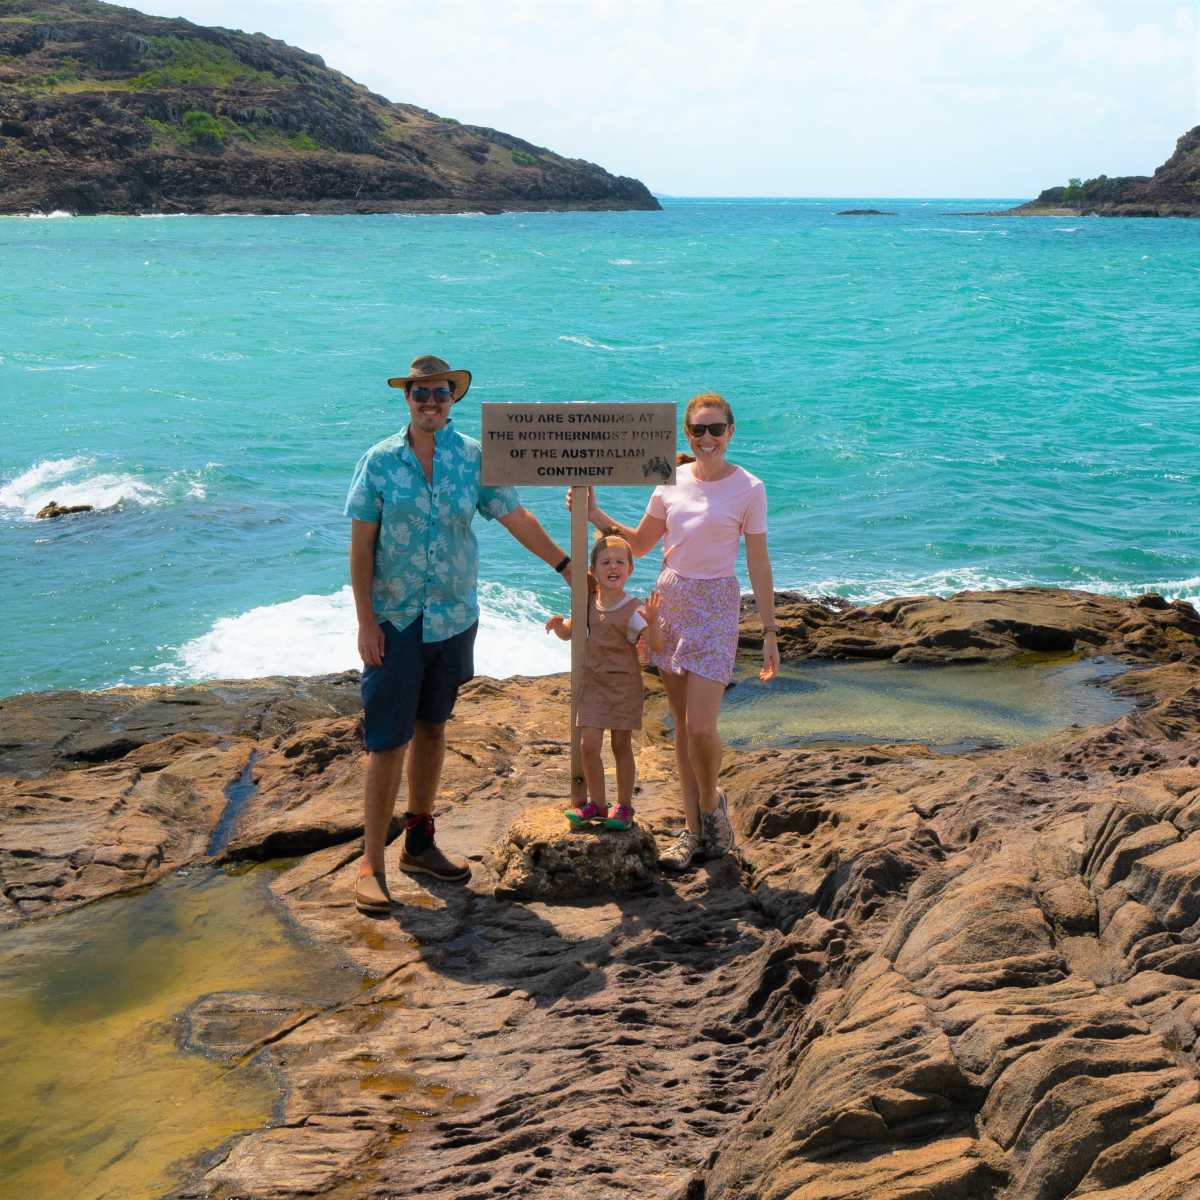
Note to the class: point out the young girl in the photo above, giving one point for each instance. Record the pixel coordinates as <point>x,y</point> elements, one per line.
<point>612,679</point>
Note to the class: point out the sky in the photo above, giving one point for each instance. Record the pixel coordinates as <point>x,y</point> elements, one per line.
<point>851,98</point>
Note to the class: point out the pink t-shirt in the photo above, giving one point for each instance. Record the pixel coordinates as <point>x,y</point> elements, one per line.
<point>705,521</point>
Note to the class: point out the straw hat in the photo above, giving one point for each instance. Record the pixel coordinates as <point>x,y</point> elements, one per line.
<point>428,366</point>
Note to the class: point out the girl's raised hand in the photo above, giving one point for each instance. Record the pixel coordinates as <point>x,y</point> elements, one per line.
<point>652,609</point>
<point>557,624</point>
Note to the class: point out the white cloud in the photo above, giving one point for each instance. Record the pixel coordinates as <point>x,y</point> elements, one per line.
<point>854,97</point>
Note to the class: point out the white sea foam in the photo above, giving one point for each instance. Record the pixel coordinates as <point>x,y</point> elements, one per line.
<point>75,481</point>
<point>72,367</point>
<point>973,579</point>
<point>315,634</point>
<point>589,344</point>
<point>57,214</point>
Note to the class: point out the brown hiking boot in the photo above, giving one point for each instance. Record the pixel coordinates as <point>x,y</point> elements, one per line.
<point>371,894</point>
<point>429,861</point>
<point>433,862</point>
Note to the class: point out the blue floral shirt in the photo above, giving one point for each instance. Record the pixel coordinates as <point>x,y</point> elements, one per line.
<point>426,556</point>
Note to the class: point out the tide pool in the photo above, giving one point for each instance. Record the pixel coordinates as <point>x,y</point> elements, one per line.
<point>934,401</point>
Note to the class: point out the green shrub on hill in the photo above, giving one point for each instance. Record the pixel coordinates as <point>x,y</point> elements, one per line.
<point>203,131</point>
<point>193,63</point>
<point>524,160</point>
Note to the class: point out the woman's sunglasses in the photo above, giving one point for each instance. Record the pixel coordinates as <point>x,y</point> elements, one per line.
<point>420,393</point>
<point>716,428</point>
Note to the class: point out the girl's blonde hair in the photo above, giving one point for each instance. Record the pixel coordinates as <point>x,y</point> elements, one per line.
<point>704,400</point>
<point>605,540</point>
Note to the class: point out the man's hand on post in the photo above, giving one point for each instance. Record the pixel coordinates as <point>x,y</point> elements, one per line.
<point>371,643</point>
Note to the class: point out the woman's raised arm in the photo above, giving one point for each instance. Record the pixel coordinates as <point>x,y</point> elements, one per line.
<point>643,539</point>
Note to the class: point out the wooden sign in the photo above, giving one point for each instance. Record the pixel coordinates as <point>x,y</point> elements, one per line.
<point>578,444</point>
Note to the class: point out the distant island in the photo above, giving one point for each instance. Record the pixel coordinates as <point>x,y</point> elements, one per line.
<point>864,212</point>
<point>107,110</point>
<point>1172,191</point>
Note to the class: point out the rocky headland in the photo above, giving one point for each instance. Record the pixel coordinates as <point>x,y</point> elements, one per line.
<point>1172,191</point>
<point>107,110</point>
<point>923,976</point>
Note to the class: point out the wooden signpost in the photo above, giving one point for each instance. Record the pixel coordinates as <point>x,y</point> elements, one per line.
<point>578,445</point>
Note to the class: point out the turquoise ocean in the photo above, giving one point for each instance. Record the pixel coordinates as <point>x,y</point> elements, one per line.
<point>935,402</point>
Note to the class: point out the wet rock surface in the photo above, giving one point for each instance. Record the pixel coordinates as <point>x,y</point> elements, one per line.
<point>954,977</point>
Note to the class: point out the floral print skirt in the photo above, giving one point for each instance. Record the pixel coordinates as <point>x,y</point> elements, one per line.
<point>700,618</point>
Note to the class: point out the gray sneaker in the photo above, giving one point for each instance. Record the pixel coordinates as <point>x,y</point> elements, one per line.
<point>685,847</point>
<point>717,831</point>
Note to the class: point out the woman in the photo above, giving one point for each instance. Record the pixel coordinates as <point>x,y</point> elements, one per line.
<point>704,515</point>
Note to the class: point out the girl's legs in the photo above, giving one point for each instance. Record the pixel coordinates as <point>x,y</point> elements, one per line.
<point>591,741</point>
<point>622,748</point>
<point>677,696</point>
<point>702,704</point>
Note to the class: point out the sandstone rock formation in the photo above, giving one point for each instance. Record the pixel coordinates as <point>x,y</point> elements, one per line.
<point>539,858</point>
<point>937,976</point>
<point>108,110</point>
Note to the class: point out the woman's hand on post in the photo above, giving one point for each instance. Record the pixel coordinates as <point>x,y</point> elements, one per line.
<point>592,508</point>
<point>371,644</point>
<point>770,667</point>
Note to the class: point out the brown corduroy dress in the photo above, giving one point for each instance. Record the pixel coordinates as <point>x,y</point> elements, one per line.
<point>612,675</point>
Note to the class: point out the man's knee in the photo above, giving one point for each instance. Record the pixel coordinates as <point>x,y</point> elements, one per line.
<point>622,740</point>
<point>430,732</point>
<point>591,740</point>
<point>389,755</point>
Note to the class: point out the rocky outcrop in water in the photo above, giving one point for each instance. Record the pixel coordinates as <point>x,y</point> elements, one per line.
<point>54,510</point>
<point>1172,191</point>
<point>946,976</point>
<point>108,110</point>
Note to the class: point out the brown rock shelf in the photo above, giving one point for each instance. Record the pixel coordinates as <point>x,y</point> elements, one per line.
<point>955,976</point>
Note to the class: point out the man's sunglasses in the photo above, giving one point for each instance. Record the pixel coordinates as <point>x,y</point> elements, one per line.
<point>716,428</point>
<point>420,393</point>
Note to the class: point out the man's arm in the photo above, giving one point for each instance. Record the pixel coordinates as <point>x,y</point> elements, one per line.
<point>527,529</point>
<point>363,535</point>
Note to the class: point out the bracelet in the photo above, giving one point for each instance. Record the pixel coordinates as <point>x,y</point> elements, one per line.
<point>562,566</point>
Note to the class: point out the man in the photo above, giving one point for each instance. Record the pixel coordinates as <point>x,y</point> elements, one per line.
<point>413,567</point>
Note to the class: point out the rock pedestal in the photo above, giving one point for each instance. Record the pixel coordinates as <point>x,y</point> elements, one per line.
<point>542,858</point>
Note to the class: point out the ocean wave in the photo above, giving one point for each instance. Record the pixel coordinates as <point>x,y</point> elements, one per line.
<point>317,634</point>
<point>75,481</point>
<point>72,367</point>
<point>56,215</point>
<point>589,344</point>
<point>974,579</point>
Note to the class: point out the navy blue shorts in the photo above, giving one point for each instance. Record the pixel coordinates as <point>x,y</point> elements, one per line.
<point>417,681</point>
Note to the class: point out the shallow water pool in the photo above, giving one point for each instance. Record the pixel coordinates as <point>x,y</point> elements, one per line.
<point>950,709</point>
<point>99,1099</point>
